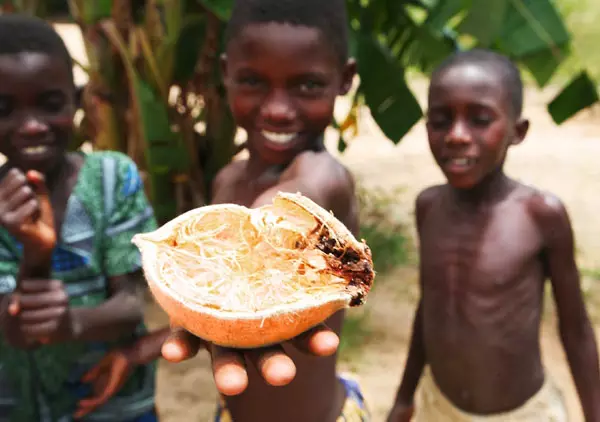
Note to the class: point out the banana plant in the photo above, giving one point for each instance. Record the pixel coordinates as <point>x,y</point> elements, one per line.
<point>393,37</point>
<point>152,82</point>
<point>154,90</point>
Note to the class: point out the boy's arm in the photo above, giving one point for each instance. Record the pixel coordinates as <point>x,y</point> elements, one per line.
<point>416,360</point>
<point>576,331</point>
<point>129,214</point>
<point>115,317</point>
<point>320,178</point>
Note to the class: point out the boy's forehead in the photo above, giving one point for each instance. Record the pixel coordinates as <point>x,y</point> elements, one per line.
<point>278,38</point>
<point>37,66</point>
<point>469,80</point>
<point>27,60</point>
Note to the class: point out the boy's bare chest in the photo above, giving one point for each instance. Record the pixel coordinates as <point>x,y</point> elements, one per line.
<point>480,252</point>
<point>242,191</point>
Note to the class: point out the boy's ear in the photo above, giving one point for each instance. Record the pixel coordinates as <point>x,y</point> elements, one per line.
<point>348,76</point>
<point>521,129</point>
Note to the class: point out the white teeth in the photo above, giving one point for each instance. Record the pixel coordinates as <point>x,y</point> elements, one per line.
<point>40,149</point>
<point>279,138</point>
<point>461,161</point>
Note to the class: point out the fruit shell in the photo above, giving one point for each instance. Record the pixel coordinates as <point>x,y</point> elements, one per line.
<point>243,330</point>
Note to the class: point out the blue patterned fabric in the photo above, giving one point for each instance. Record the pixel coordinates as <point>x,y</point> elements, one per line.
<point>106,208</point>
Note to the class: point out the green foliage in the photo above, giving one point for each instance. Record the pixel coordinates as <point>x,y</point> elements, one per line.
<point>144,51</point>
<point>392,36</point>
<point>582,18</point>
<point>354,333</point>
<point>384,234</point>
<point>581,92</point>
<point>388,241</point>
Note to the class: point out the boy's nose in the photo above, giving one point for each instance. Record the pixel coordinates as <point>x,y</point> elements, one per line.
<point>32,126</point>
<point>277,109</point>
<point>458,134</point>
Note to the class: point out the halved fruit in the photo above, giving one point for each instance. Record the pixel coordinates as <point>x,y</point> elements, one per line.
<point>248,278</point>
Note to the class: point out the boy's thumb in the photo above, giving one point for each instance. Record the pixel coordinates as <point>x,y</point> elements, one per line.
<point>38,181</point>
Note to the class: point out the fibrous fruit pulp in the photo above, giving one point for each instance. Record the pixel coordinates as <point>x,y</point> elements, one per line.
<point>247,278</point>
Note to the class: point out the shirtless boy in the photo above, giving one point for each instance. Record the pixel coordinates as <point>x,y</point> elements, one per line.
<point>68,270</point>
<point>487,245</point>
<point>286,62</point>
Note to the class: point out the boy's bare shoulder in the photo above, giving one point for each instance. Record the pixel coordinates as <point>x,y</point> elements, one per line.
<point>425,199</point>
<point>429,195</point>
<point>228,175</point>
<point>320,168</point>
<point>547,210</point>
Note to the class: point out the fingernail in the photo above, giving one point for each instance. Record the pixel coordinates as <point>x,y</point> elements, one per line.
<point>172,352</point>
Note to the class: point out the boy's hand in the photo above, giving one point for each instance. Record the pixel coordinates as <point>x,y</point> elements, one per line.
<point>26,211</point>
<point>107,378</point>
<point>9,324</point>
<point>229,369</point>
<point>401,413</point>
<point>41,309</point>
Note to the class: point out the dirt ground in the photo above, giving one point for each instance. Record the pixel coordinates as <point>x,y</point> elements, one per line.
<point>560,159</point>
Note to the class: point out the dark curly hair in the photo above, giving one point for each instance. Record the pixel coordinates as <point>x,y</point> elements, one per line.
<point>501,65</point>
<point>23,33</point>
<point>328,16</point>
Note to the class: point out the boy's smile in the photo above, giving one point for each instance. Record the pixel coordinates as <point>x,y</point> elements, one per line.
<point>36,110</point>
<point>282,82</point>
<point>470,124</point>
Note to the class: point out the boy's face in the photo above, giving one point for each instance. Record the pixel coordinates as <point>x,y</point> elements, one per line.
<point>36,110</point>
<point>470,123</point>
<point>282,82</point>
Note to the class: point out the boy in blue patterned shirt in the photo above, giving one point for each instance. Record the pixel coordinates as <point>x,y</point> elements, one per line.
<point>68,270</point>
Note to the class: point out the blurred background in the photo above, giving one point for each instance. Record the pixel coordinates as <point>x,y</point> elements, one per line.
<point>150,87</point>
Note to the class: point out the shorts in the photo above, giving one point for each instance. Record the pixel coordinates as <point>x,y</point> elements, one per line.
<point>547,405</point>
<point>354,410</point>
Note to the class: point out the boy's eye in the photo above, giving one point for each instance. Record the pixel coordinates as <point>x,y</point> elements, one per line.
<point>311,87</point>
<point>248,81</point>
<point>439,120</point>
<point>53,102</point>
<point>482,119</point>
<point>6,106</point>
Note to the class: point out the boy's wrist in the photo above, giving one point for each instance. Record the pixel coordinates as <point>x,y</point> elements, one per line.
<point>132,354</point>
<point>36,257</point>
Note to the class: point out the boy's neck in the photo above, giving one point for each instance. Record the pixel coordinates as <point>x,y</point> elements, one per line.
<point>257,167</point>
<point>492,189</point>
<point>61,171</point>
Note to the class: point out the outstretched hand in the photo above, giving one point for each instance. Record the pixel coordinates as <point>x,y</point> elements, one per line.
<point>229,365</point>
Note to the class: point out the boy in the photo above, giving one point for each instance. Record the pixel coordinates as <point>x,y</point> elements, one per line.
<point>68,271</point>
<point>487,245</point>
<point>286,62</point>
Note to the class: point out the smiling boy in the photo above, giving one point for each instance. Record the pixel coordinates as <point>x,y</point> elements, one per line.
<point>487,245</point>
<point>286,63</point>
<point>68,270</point>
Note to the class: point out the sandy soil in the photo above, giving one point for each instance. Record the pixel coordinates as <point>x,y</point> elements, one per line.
<point>560,159</point>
